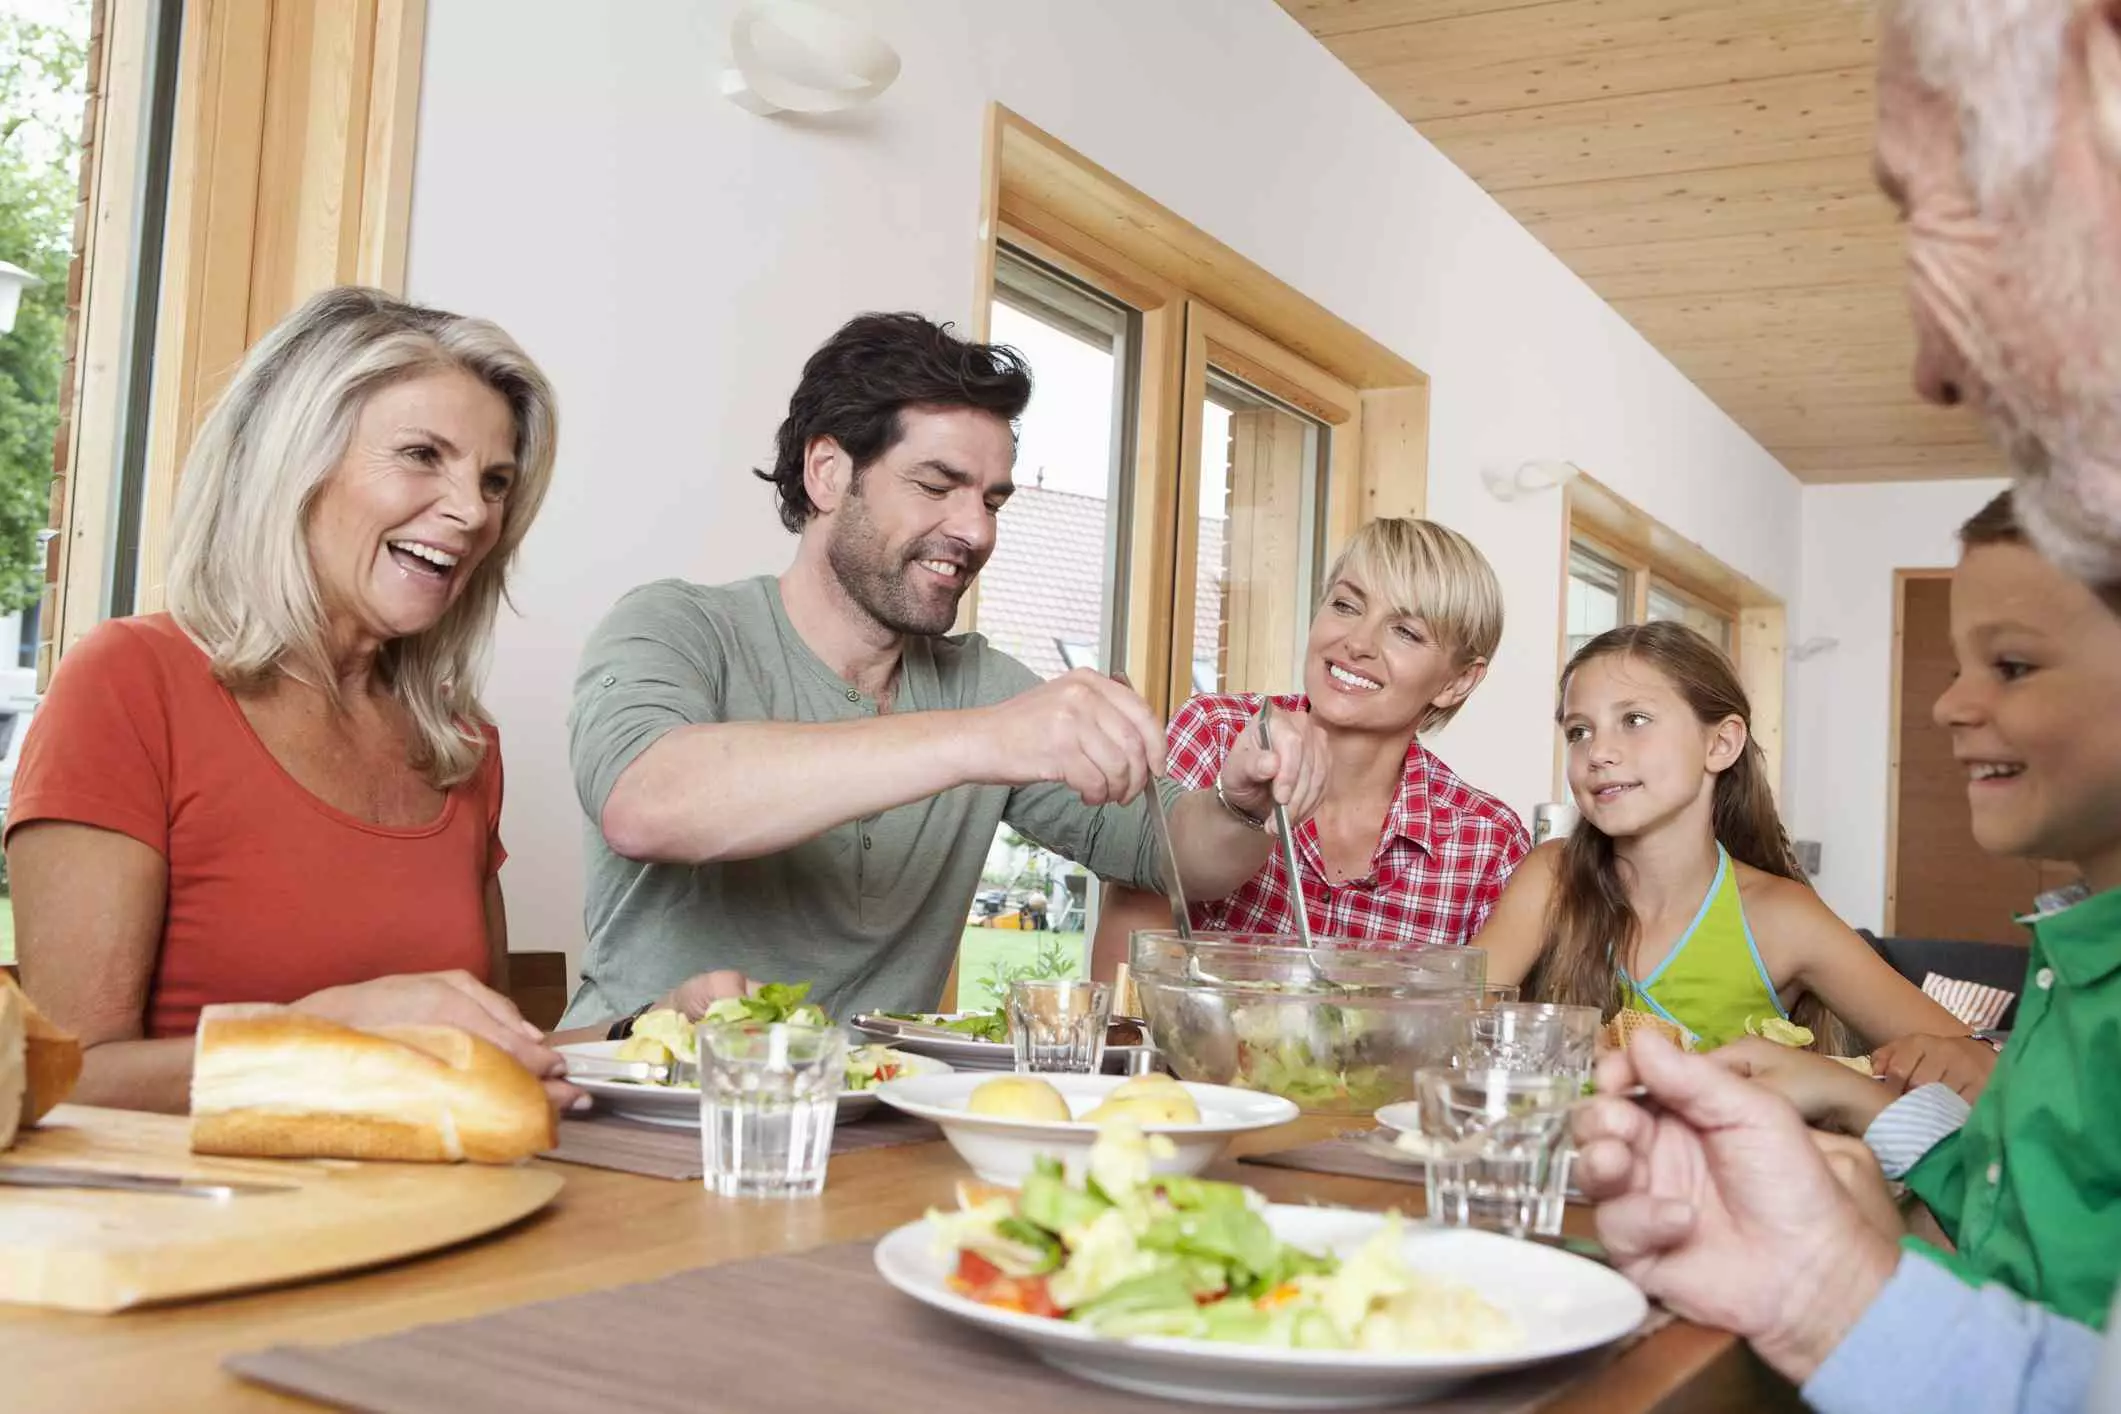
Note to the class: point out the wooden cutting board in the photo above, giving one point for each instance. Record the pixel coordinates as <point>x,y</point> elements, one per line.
<point>94,1250</point>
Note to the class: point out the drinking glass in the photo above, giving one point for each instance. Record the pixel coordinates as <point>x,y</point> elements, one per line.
<point>768,1096</point>
<point>1059,1025</point>
<point>1534,1036</point>
<point>1495,1140</point>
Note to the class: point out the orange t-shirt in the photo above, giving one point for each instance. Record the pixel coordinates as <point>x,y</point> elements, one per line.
<point>273,894</point>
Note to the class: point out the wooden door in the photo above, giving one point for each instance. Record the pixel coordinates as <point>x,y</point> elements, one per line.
<point>1942,884</point>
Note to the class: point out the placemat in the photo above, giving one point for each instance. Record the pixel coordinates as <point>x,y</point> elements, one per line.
<point>817,1330</point>
<point>664,1151</point>
<point>1349,1157</point>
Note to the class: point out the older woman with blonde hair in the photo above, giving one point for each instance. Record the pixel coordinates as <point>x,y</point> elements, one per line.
<point>284,789</point>
<point>1401,851</point>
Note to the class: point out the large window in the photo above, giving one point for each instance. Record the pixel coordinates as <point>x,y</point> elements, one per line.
<point>1608,587</point>
<point>1264,468</point>
<point>48,54</point>
<point>1051,596</point>
<point>1598,596</point>
<point>1201,438</point>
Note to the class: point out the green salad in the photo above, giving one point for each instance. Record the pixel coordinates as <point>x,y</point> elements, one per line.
<point>974,1026</point>
<point>1130,1253</point>
<point>1313,1055</point>
<point>663,1034</point>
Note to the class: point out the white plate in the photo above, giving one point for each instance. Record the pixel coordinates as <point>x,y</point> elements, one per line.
<point>1562,1303</point>
<point>1002,1150</point>
<point>678,1106</point>
<point>1405,1118</point>
<point>965,1053</point>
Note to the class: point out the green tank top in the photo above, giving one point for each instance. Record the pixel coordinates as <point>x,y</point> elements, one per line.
<point>1712,982</point>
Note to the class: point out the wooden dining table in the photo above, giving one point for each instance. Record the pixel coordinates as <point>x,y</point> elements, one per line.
<point>608,1229</point>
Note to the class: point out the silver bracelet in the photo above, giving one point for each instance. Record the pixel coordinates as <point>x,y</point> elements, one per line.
<point>1244,817</point>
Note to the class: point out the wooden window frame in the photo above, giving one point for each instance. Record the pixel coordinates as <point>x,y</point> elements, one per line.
<point>291,171</point>
<point>92,398</point>
<point>1614,528</point>
<point>1199,302</point>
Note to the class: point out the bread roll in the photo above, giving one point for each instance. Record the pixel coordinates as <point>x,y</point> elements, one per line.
<point>14,1076</point>
<point>51,1058</point>
<point>269,1082</point>
<point>1626,1023</point>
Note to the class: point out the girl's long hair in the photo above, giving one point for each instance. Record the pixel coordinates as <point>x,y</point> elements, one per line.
<point>1590,923</point>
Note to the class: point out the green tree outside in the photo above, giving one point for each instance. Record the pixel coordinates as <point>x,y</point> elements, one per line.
<point>43,64</point>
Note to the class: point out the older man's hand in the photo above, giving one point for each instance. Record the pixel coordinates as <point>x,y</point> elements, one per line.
<point>1716,1201</point>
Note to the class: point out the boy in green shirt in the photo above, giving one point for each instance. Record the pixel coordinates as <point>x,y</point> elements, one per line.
<point>2028,1182</point>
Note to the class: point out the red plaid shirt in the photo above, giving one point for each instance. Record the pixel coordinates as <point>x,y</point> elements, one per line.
<point>1442,858</point>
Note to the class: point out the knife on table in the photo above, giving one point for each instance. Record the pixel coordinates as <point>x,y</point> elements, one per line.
<point>54,1176</point>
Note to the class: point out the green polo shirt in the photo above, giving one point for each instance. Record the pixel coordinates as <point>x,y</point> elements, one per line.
<point>2030,1187</point>
<point>871,912</point>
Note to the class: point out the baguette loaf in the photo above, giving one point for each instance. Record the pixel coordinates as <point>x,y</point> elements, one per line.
<point>51,1058</point>
<point>269,1082</point>
<point>14,1076</point>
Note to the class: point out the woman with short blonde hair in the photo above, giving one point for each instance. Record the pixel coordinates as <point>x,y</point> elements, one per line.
<point>284,789</point>
<point>1400,851</point>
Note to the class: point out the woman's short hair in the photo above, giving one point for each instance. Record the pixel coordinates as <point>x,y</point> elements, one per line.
<point>240,577</point>
<point>1432,572</point>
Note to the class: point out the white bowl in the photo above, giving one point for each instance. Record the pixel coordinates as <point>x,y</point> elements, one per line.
<point>1561,1303</point>
<point>1002,1150</point>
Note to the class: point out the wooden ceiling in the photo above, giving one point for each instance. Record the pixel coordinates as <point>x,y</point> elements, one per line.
<point>1705,166</point>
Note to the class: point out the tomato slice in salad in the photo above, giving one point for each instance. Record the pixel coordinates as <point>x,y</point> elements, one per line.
<point>982,1281</point>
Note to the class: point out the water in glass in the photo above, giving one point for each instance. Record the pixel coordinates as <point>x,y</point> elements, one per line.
<point>1059,1025</point>
<point>768,1096</point>
<point>1515,1124</point>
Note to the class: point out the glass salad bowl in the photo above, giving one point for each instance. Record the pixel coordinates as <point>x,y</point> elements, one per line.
<point>1338,1028</point>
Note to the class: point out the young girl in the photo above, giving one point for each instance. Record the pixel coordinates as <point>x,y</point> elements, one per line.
<point>1400,849</point>
<point>1678,894</point>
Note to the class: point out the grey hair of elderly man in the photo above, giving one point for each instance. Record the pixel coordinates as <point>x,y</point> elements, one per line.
<point>1999,136</point>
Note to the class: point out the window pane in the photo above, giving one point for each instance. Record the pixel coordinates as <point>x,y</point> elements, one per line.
<point>45,91</point>
<point>1262,476</point>
<point>1668,604</point>
<point>1597,596</point>
<point>1045,596</point>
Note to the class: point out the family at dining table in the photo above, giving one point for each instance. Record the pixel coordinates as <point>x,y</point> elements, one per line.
<point>285,788</point>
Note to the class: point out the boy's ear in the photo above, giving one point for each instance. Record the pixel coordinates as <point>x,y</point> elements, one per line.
<point>1727,741</point>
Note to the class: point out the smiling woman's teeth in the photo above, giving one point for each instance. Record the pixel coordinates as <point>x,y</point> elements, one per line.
<point>1340,674</point>
<point>1992,770</point>
<point>441,560</point>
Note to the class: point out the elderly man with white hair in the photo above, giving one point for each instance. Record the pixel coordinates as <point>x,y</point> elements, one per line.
<point>1999,138</point>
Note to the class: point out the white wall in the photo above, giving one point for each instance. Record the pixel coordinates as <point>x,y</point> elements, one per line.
<point>1840,700</point>
<point>672,259</point>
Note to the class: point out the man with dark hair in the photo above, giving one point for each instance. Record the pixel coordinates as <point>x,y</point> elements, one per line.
<point>797,779</point>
